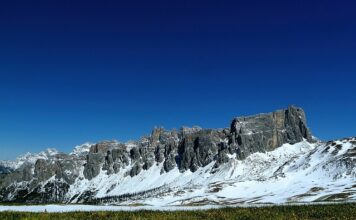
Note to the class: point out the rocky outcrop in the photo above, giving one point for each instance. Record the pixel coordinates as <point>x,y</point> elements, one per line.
<point>93,165</point>
<point>265,132</point>
<point>191,148</point>
<point>198,149</point>
<point>186,149</point>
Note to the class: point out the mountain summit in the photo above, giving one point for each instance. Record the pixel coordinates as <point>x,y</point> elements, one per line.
<point>268,157</point>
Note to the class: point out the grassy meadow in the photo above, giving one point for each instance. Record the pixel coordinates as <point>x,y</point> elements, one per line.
<point>290,212</point>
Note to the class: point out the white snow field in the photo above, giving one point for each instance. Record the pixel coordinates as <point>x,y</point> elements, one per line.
<point>91,208</point>
<point>302,172</point>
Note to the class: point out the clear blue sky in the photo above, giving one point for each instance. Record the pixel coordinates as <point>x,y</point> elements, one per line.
<point>77,71</point>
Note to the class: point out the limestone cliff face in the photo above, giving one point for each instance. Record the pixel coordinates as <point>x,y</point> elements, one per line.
<point>265,132</point>
<point>191,148</point>
<point>187,149</point>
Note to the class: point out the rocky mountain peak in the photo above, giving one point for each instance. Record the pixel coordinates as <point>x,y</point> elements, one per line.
<point>188,149</point>
<point>81,150</point>
<point>265,132</point>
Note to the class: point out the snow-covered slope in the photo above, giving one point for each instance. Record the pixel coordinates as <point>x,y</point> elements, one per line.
<point>302,172</point>
<point>265,158</point>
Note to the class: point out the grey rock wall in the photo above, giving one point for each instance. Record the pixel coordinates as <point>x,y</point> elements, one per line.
<point>186,149</point>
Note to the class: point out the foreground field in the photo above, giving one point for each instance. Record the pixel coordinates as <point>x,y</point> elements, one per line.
<point>335,211</point>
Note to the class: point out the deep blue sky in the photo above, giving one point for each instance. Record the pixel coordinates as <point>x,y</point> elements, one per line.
<point>77,71</point>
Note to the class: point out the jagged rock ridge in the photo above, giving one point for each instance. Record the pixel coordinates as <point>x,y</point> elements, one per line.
<point>188,149</point>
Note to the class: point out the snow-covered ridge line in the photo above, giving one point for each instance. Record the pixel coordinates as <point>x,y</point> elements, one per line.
<point>29,158</point>
<point>81,150</point>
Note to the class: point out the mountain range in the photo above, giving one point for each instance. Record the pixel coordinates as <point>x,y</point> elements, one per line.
<point>259,159</point>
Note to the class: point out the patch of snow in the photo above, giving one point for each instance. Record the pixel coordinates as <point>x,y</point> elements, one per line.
<point>81,150</point>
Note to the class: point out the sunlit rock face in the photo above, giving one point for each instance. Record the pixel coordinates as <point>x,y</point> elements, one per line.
<point>266,132</point>
<point>112,169</point>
